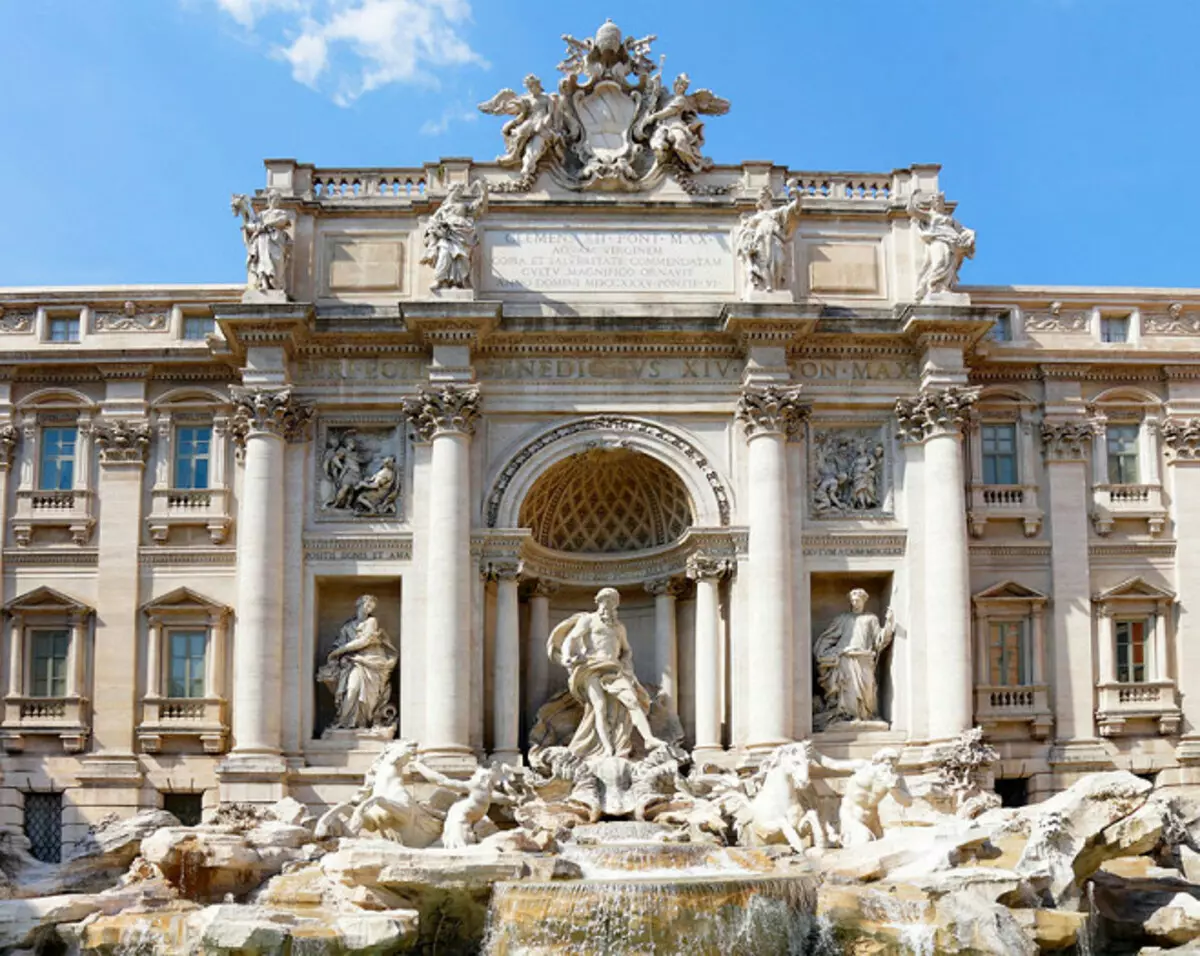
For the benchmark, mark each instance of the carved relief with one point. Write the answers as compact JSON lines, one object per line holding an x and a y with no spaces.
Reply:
{"x":1056,"y":321}
{"x":123,"y":441}
{"x":359,"y":471}
{"x":848,"y":473}
{"x":1173,"y":323}
{"x":451,"y":408}
{"x":767,"y":409}
{"x":130,"y":319}
{"x":17,"y":320}
{"x":761,"y":241}
{"x":935,"y":412}
{"x":1066,"y":441}
{"x":1182,"y":438}
{"x":450,"y":236}
{"x":272,"y":410}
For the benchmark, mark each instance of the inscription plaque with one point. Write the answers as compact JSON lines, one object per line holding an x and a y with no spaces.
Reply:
{"x":607,"y":260}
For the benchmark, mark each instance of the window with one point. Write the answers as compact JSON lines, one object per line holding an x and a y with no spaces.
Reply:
{"x":1122,"y":454}
{"x":1012,"y":791}
{"x":186,"y":676}
{"x":999,"y":454}
{"x":196,"y":327}
{"x":192,"y":447}
{"x":187,"y":808}
{"x":62,"y":329}
{"x":1114,"y":329}
{"x":43,"y":826}
{"x":1008,"y":654}
{"x":57,"y":472}
{"x":49,"y":663}
{"x":1131,"y":652}
{"x":1001,"y":330}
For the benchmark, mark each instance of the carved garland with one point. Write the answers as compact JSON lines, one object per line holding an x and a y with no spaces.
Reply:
{"x":935,"y":412}
{"x":608,"y":423}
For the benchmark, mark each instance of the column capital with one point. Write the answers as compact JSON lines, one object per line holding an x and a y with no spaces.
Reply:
{"x":1181,"y":436}
{"x":943,"y":411}
{"x":449,"y":408}
{"x":1066,"y":440}
{"x":10,"y":435}
{"x":540,"y":587}
{"x":124,"y":441}
{"x":772,"y":410}
{"x":670,"y":586}
{"x":702,"y":566}
{"x":270,"y":409}
{"x":501,"y":569}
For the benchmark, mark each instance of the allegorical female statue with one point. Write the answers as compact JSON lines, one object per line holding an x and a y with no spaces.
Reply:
{"x":847,"y":655}
{"x":450,"y":236}
{"x":947,"y":243}
{"x":359,"y":669}
{"x":761,"y":238}
{"x":268,"y":242}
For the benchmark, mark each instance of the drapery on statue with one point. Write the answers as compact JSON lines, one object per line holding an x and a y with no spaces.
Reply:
{"x":450,"y":236}
{"x":679,"y":136}
{"x":268,"y":242}
{"x":594,"y":648}
{"x":535,"y":131}
{"x":760,"y":240}
{"x":947,"y":243}
{"x":847,"y":654}
{"x":359,"y":669}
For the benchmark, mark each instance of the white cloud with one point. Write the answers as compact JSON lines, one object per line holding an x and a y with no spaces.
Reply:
{"x":452,"y":114}
{"x":350,"y":47}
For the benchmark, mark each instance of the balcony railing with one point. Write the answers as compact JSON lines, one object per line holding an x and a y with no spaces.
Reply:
{"x":197,"y":717}
{"x":197,"y":507}
{"x":63,"y":717}
{"x":1113,"y":502}
{"x":71,"y":509}
{"x":1004,"y":502}
{"x":1141,"y":701}
{"x":1003,"y":704}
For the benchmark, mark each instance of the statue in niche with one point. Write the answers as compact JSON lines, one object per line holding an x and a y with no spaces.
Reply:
{"x":847,"y":655}
{"x":679,"y":136}
{"x":351,"y":484}
{"x":268,"y":242}
{"x":594,"y":648}
{"x":536,"y":129}
{"x":359,"y":669}
{"x":761,"y":238}
{"x":849,"y":470}
{"x":450,"y":237}
{"x":947,"y":243}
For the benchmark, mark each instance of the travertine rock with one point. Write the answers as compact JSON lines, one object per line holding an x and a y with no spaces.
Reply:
{"x":1177,"y":922}
{"x":915,"y":852}
{"x":291,"y":811}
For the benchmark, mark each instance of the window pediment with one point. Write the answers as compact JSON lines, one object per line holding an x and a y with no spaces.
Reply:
{"x":1133,"y":591}
{"x":184,"y":603}
{"x":44,"y":600}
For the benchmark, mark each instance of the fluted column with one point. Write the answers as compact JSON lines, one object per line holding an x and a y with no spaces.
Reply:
{"x":707,"y":571}
{"x":506,"y":679}
{"x":935,"y":419}
{"x":267,"y":418}
{"x":769,"y":414}
{"x":446,"y":417}
{"x":539,"y":632}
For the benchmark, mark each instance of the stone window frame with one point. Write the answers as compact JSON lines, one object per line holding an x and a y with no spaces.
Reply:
{"x":1142,"y":501}
{"x":67,"y":717}
{"x":49,"y":314}
{"x":999,"y":705}
{"x":204,"y":718}
{"x":209,"y":508}
{"x":1016,"y":502}
{"x":1132,"y":318}
{"x":73,"y":508}
{"x":1153,"y":699}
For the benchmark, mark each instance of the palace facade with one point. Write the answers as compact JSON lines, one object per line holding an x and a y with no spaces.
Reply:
{"x":481,"y":391}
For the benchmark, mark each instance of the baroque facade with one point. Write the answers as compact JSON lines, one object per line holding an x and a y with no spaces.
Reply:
{"x":477,"y":392}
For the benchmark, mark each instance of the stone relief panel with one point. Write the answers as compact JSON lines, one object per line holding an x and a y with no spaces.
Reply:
{"x":360,"y":468}
{"x":1056,"y":320}
{"x":17,"y":320}
{"x":129,"y":318}
{"x":850,"y":473}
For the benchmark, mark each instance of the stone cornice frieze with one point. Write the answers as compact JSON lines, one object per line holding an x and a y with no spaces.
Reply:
{"x":1181,"y":436}
{"x":1066,"y":440}
{"x":123,"y":442}
{"x":451,"y":408}
{"x":273,"y":410}
{"x":935,"y":412}
{"x":772,"y":410}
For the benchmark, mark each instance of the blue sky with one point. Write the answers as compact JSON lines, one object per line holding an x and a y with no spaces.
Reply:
{"x":1067,"y":129}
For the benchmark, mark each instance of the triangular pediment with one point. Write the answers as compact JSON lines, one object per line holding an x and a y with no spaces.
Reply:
{"x":181,"y":600}
{"x":1136,"y":588}
{"x":45,"y":599}
{"x":1009,"y":590}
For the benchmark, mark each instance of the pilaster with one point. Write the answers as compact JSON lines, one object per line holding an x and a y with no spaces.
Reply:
{"x":1181,"y":436}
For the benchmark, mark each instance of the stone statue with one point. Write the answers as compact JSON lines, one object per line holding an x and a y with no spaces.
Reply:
{"x":761,"y":238}
{"x":870,"y":781}
{"x":782,"y":807}
{"x":534,"y":132}
{"x":947,"y":243}
{"x":359,"y":670}
{"x":450,"y":237}
{"x":268,"y":243}
{"x":679,"y":135}
{"x":345,"y":488}
{"x":847,"y":653}
{"x":595,"y":650}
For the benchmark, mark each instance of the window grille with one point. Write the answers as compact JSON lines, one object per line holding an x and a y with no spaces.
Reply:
{"x":43,"y":825}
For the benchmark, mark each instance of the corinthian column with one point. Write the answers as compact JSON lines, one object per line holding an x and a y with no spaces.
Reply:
{"x":1181,"y":436}
{"x":707,"y":572}
{"x":266,"y":419}
{"x":506,"y":678}
{"x":935,"y":419}
{"x":769,"y":414}
{"x":445,"y":417}
{"x":666,"y":648}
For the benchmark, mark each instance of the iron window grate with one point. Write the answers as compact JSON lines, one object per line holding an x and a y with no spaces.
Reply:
{"x":43,"y":825}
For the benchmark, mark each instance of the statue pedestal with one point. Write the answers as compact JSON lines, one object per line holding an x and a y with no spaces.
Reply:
{"x":775,"y":296}
{"x":255,"y":296}
{"x":452,"y":295}
{"x":373,"y":739}
{"x":946,"y":298}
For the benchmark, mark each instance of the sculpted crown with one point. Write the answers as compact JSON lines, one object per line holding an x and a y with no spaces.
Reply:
{"x":766,"y":409}
{"x":1066,"y":440}
{"x":935,"y":412}
{"x":123,"y":441}
{"x":451,"y":408}
{"x":273,"y":410}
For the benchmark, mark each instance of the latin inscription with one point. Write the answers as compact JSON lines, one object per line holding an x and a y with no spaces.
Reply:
{"x":607,"y":260}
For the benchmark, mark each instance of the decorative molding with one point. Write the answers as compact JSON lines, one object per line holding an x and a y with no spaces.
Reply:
{"x":615,"y":423}
{"x":935,"y":412}
{"x":702,"y":565}
{"x":172,"y":557}
{"x":130,"y":319}
{"x":772,"y":410}
{"x":1011,"y":550}
{"x":123,"y":441}
{"x":1182,"y":439}
{"x":1174,"y":322}
{"x":33,"y":557}
{"x":1066,"y":440}
{"x":501,"y":569}
{"x":10,"y":436}
{"x":849,"y":545}
{"x":670,"y":585}
{"x":372,"y":548}
{"x":271,"y":410}
{"x":450,"y":408}
{"x":1055,"y":320}
{"x":1140,"y":549}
